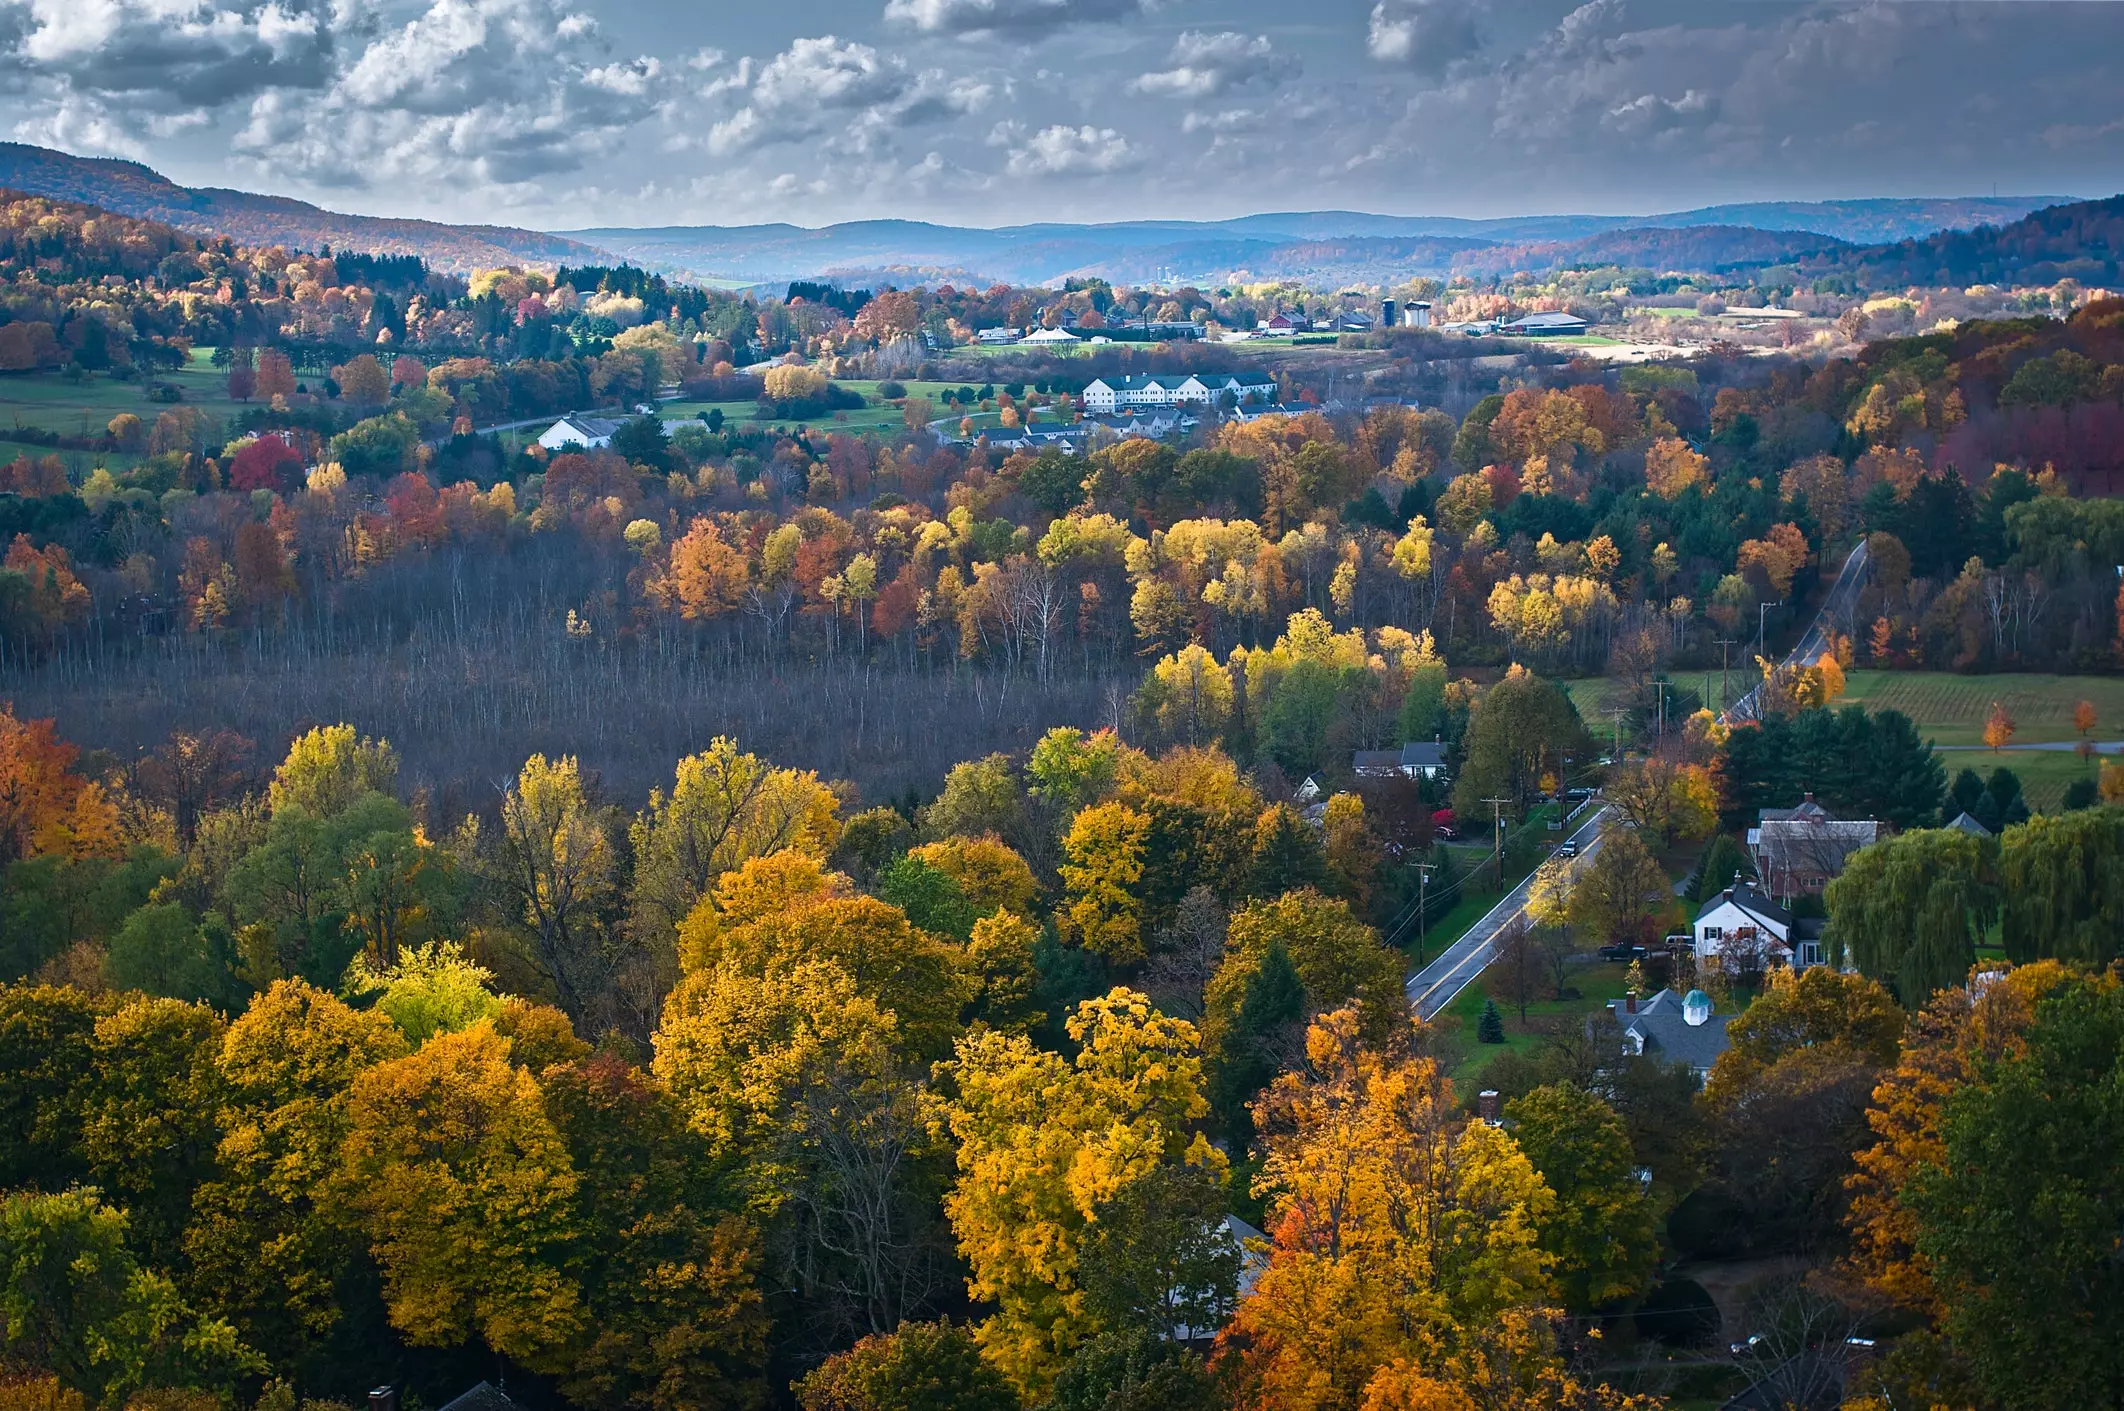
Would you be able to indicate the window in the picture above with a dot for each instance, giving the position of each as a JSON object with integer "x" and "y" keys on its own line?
{"x": 1810, "y": 953}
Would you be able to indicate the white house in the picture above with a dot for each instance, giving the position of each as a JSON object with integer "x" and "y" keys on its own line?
{"x": 1742, "y": 921}
{"x": 1417, "y": 757}
{"x": 998, "y": 335}
{"x": 584, "y": 433}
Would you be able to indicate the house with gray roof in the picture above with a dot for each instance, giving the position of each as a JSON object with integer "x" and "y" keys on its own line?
{"x": 1671, "y": 1028}
{"x": 1799, "y": 851}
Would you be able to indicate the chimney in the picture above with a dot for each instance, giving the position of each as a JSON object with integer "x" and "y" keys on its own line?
{"x": 384, "y": 1398}
{"x": 1630, "y": 1002}
{"x": 1488, "y": 1105}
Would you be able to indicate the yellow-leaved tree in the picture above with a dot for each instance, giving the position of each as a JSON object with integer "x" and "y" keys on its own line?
{"x": 724, "y": 807}
{"x": 465, "y": 1190}
{"x": 1103, "y": 861}
{"x": 1406, "y": 1238}
{"x": 1046, "y": 1144}
{"x": 329, "y": 768}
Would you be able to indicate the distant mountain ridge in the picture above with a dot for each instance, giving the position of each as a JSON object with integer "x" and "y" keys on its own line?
{"x": 1875, "y": 241}
{"x": 131, "y": 189}
{"x": 1294, "y": 244}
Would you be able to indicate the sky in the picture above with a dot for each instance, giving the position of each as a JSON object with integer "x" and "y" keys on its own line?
{"x": 562, "y": 114}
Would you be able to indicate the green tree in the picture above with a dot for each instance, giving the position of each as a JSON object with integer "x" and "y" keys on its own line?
{"x": 74, "y": 1301}
{"x": 1601, "y": 1231}
{"x": 1910, "y": 910}
{"x": 1287, "y": 853}
{"x": 2018, "y": 1212}
{"x": 674, "y": 1315}
{"x": 47, "y": 1057}
{"x": 1623, "y": 889}
{"x": 916, "y": 1367}
{"x": 929, "y": 896}
{"x": 433, "y": 989}
{"x": 162, "y": 950}
{"x": 2061, "y": 885}
{"x": 1159, "y": 1260}
{"x": 1520, "y": 729}
{"x": 1489, "y": 1026}
{"x": 150, "y": 1116}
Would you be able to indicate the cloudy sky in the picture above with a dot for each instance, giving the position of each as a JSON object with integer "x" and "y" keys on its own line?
{"x": 565, "y": 113}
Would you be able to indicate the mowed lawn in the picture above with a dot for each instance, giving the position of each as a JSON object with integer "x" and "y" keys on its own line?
{"x": 1951, "y": 710}
{"x": 46, "y": 401}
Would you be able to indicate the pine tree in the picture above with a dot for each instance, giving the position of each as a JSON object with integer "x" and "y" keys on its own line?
{"x": 1490, "y": 1028}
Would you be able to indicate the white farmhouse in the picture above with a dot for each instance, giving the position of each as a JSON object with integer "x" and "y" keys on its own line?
{"x": 1742, "y": 922}
{"x": 583, "y": 433}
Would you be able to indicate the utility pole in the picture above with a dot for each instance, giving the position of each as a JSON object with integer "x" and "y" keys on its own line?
{"x": 1723, "y": 699}
{"x": 1617, "y": 715}
{"x": 1497, "y": 854}
{"x": 1423, "y": 920}
{"x": 1762, "y": 640}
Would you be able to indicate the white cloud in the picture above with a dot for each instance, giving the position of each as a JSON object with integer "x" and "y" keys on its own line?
{"x": 1421, "y": 34}
{"x": 848, "y": 94}
{"x": 132, "y": 56}
{"x": 1062, "y": 150}
{"x": 1204, "y": 65}
{"x": 974, "y": 16}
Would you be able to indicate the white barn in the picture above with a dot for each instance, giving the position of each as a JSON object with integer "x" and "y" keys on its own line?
{"x": 584, "y": 433}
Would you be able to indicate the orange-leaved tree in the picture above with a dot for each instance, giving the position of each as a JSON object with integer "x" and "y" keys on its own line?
{"x": 1406, "y": 1237}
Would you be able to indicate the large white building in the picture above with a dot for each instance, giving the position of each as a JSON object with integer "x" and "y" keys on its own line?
{"x": 587, "y": 433}
{"x": 1157, "y": 389}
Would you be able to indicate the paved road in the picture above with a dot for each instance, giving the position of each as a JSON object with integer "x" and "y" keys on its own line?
{"x": 1439, "y": 983}
{"x": 1842, "y": 595}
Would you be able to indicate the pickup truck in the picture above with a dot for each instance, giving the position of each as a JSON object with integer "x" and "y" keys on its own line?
{"x": 1623, "y": 952}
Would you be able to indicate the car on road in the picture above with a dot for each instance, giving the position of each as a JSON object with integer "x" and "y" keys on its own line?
{"x": 1623, "y": 951}
{"x": 1567, "y": 848}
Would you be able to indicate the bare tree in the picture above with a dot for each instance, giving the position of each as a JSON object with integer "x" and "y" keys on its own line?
{"x": 1185, "y": 954}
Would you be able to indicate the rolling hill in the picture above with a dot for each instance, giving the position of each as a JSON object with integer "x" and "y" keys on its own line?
{"x": 130, "y": 189}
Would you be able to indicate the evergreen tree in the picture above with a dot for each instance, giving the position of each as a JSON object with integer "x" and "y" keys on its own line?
{"x": 1490, "y": 1027}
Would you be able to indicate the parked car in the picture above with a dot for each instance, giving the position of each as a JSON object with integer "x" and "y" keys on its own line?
{"x": 1623, "y": 951}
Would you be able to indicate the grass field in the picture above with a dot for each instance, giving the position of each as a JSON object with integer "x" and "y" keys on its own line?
{"x": 1951, "y": 709}
{"x": 1596, "y": 983}
{"x": 47, "y": 402}
{"x": 2044, "y": 774}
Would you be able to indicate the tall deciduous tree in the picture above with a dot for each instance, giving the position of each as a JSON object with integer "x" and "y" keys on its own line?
{"x": 2018, "y": 1218}
{"x": 273, "y": 1244}
{"x": 465, "y": 1192}
{"x": 1102, "y": 868}
{"x": 1520, "y": 729}
{"x": 1044, "y": 1143}
{"x": 724, "y": 806}
{"x": 555, "y": 865}
{"x": 74, "y": 1301}
{"x": 1402, "y": 1231}
{"x": 2061, "y": 886}
{"x": 1600, "y": 1233}
{"x": 1910, "y": 910}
